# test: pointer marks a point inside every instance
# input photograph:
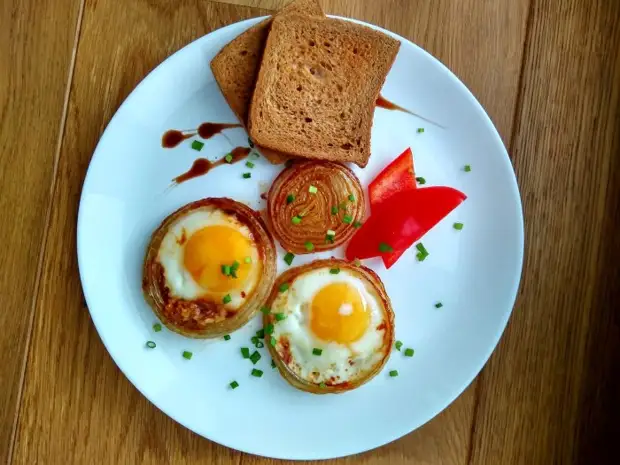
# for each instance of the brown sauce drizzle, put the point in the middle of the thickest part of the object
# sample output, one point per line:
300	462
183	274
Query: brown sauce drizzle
382	102
202	166
174	137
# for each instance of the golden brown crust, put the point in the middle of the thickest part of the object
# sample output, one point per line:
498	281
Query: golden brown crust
388	336
202	318
335	183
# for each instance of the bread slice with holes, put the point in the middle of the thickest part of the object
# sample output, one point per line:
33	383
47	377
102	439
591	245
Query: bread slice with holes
317	88
236	66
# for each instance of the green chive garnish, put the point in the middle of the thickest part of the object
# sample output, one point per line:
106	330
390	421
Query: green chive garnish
351	198
245	352
398	345
187	355
265	310
316	351
357	224
313	190
296	219
420	180
247	175
458	226
247	260
151	344
331	232
394	373
329	239
255	357
421	257
280	316
322	385
288	258
257	373
409	352
259	345
157	327
250	143
228	158
421	248
438	305
334	271
290	198
273	364
269	328
420	130
347	219
467	168
226	270
234	385
249	164
283	287
309	246
197	145
260	333
273	341
227	337
227	299
235	266
334	210
384	248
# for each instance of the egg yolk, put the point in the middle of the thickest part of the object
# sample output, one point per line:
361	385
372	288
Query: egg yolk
208	249
338	314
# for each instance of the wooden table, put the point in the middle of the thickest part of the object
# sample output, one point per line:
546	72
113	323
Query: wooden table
548	73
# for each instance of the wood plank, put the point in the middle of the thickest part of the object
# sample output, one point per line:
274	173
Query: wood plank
96	416
34	73
550	393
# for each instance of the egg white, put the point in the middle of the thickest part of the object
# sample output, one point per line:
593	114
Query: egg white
171	255
295	303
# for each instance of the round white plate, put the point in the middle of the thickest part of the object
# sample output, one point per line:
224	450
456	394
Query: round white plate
474	272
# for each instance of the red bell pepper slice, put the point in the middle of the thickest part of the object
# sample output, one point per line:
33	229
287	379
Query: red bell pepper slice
402	220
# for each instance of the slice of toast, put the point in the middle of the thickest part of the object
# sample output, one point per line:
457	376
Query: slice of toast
317	88
236	66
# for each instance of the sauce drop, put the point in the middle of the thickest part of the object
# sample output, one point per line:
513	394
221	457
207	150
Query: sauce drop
174	137
208	130
202	166
382	102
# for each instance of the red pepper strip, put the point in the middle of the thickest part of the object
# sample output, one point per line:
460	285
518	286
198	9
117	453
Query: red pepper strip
402	220
398	176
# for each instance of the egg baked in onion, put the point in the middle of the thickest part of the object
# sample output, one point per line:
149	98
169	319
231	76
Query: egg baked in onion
209	267
329	326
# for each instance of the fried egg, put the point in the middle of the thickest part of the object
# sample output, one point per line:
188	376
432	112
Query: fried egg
332	324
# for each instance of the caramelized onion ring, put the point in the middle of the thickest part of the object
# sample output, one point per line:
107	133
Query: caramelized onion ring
334	184
202	318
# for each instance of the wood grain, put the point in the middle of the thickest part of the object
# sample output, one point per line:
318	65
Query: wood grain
550	392
34	71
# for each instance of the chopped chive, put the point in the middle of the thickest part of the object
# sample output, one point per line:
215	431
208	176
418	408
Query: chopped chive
421	248
235	265
227	299
420	180
398	345
288	258
269	328
250	143
280	316
255	154
284	287
260	333
438	305
273	341
322	385
316	351
334	210
421	257
383	247
309	246
265	310
257	373
347	219
187	355
249	164
234	385
273	364
394	373
247	260
458	226
228	158
296	219
357	224
197	145
157	327
409	352
467	168
334	271
351	198
226	270
331	232
259	345
255	357
227	337
313	189
254	340
247	175
245	352
290	198
329	239
420	130
151	344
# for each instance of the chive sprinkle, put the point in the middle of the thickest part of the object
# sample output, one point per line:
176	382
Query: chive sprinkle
334	271
250	143
269	328
187	355
259	345
334	210
247	260
467	168
421	248
255	357
290	198
322	385
254	340
249	164
316	351
234	385
245	352
283	287
351	198
151	344
458	226
383	247
260	333
265	310
273	341
227	299
228	158
226	270
157	327
313	189
309	246
398	345
296	219
347	219
329	239
257	373
197	145
421	257
357	224
394	373
227	337
420	180
409	352
247	175
273	364
420	130
288	258
280	316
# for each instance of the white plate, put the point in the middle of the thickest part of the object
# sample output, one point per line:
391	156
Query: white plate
474	273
